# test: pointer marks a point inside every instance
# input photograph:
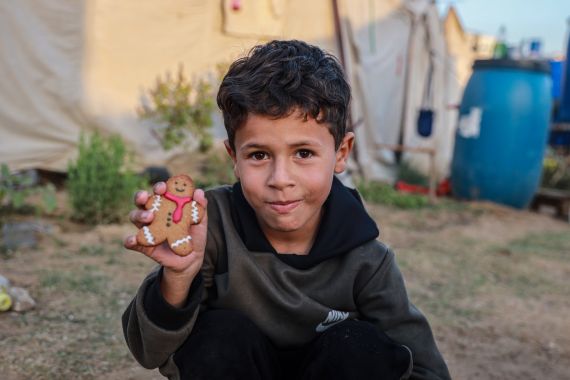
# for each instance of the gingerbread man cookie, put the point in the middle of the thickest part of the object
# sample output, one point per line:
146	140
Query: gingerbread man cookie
174	212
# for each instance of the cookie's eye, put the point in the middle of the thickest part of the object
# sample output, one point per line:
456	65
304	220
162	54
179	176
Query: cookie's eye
176	182
184	184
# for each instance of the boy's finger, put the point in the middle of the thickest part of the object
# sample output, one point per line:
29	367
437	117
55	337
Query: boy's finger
130	242
200	197
199	231
140	217
141	197
159	188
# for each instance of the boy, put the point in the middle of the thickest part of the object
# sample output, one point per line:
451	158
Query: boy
287	279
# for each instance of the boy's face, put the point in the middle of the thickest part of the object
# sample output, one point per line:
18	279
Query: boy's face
286	168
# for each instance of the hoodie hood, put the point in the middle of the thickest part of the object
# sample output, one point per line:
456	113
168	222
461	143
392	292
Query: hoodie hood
344	226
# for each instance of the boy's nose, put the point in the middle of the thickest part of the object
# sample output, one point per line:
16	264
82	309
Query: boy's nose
280	176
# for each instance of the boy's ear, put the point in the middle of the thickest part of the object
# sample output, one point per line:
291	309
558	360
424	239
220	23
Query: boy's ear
343	152
230	151
232	155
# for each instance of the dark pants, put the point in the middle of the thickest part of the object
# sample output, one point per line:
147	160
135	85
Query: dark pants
227	345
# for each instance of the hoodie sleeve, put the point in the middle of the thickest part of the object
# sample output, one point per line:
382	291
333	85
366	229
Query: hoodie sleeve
154	329
383	300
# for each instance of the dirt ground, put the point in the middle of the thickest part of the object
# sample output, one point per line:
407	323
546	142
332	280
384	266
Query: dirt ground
494	283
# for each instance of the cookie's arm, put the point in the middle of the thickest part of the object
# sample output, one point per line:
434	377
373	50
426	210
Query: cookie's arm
197	212
153	203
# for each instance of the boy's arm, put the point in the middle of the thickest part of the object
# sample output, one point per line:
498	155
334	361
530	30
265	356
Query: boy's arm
153	328
162	314
383	300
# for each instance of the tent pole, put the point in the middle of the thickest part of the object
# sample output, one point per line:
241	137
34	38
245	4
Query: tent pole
406	81
337	28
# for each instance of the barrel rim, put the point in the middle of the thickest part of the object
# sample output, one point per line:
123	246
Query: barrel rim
537	65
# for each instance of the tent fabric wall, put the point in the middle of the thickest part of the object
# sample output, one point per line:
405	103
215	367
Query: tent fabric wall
384	50
259	18
463	46
446	94
85	65
377	48
41	84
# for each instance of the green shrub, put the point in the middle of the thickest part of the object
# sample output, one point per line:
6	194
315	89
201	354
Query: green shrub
382	193
100	182
183	107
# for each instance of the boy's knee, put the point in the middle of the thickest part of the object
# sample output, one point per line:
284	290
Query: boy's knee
226	328
224	344
359	344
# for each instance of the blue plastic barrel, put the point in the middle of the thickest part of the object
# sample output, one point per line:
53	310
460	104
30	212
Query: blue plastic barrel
556	67
502	131
564	107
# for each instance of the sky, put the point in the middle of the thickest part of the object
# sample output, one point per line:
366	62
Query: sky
523	19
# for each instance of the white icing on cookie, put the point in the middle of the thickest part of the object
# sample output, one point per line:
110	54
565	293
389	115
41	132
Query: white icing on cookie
181	241
148	235
156	203
195	212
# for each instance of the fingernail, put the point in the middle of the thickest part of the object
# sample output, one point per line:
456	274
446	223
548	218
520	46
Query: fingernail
146	214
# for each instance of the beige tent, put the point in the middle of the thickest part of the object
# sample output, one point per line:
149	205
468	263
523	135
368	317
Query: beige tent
73	65
464	46
395	47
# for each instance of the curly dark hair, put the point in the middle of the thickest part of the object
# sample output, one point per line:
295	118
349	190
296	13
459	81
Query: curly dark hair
282	77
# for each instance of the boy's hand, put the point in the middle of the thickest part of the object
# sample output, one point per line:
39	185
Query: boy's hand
175	267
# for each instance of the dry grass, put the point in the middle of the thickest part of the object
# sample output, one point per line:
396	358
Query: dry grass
492	281
494	284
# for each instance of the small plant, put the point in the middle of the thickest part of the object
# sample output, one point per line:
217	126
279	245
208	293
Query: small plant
184	108
383	193
100	182
49	200
411	175
556	171
16	189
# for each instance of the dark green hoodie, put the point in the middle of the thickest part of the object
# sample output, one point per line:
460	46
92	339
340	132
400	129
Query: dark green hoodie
348	274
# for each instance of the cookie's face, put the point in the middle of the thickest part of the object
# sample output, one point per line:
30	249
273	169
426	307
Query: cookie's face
180	185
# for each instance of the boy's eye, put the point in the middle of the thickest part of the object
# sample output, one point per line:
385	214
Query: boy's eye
304	153
258	156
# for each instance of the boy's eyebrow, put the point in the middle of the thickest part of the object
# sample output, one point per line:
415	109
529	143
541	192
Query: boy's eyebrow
254	145
306	142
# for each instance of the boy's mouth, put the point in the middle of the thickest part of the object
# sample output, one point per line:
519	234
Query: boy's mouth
284	207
